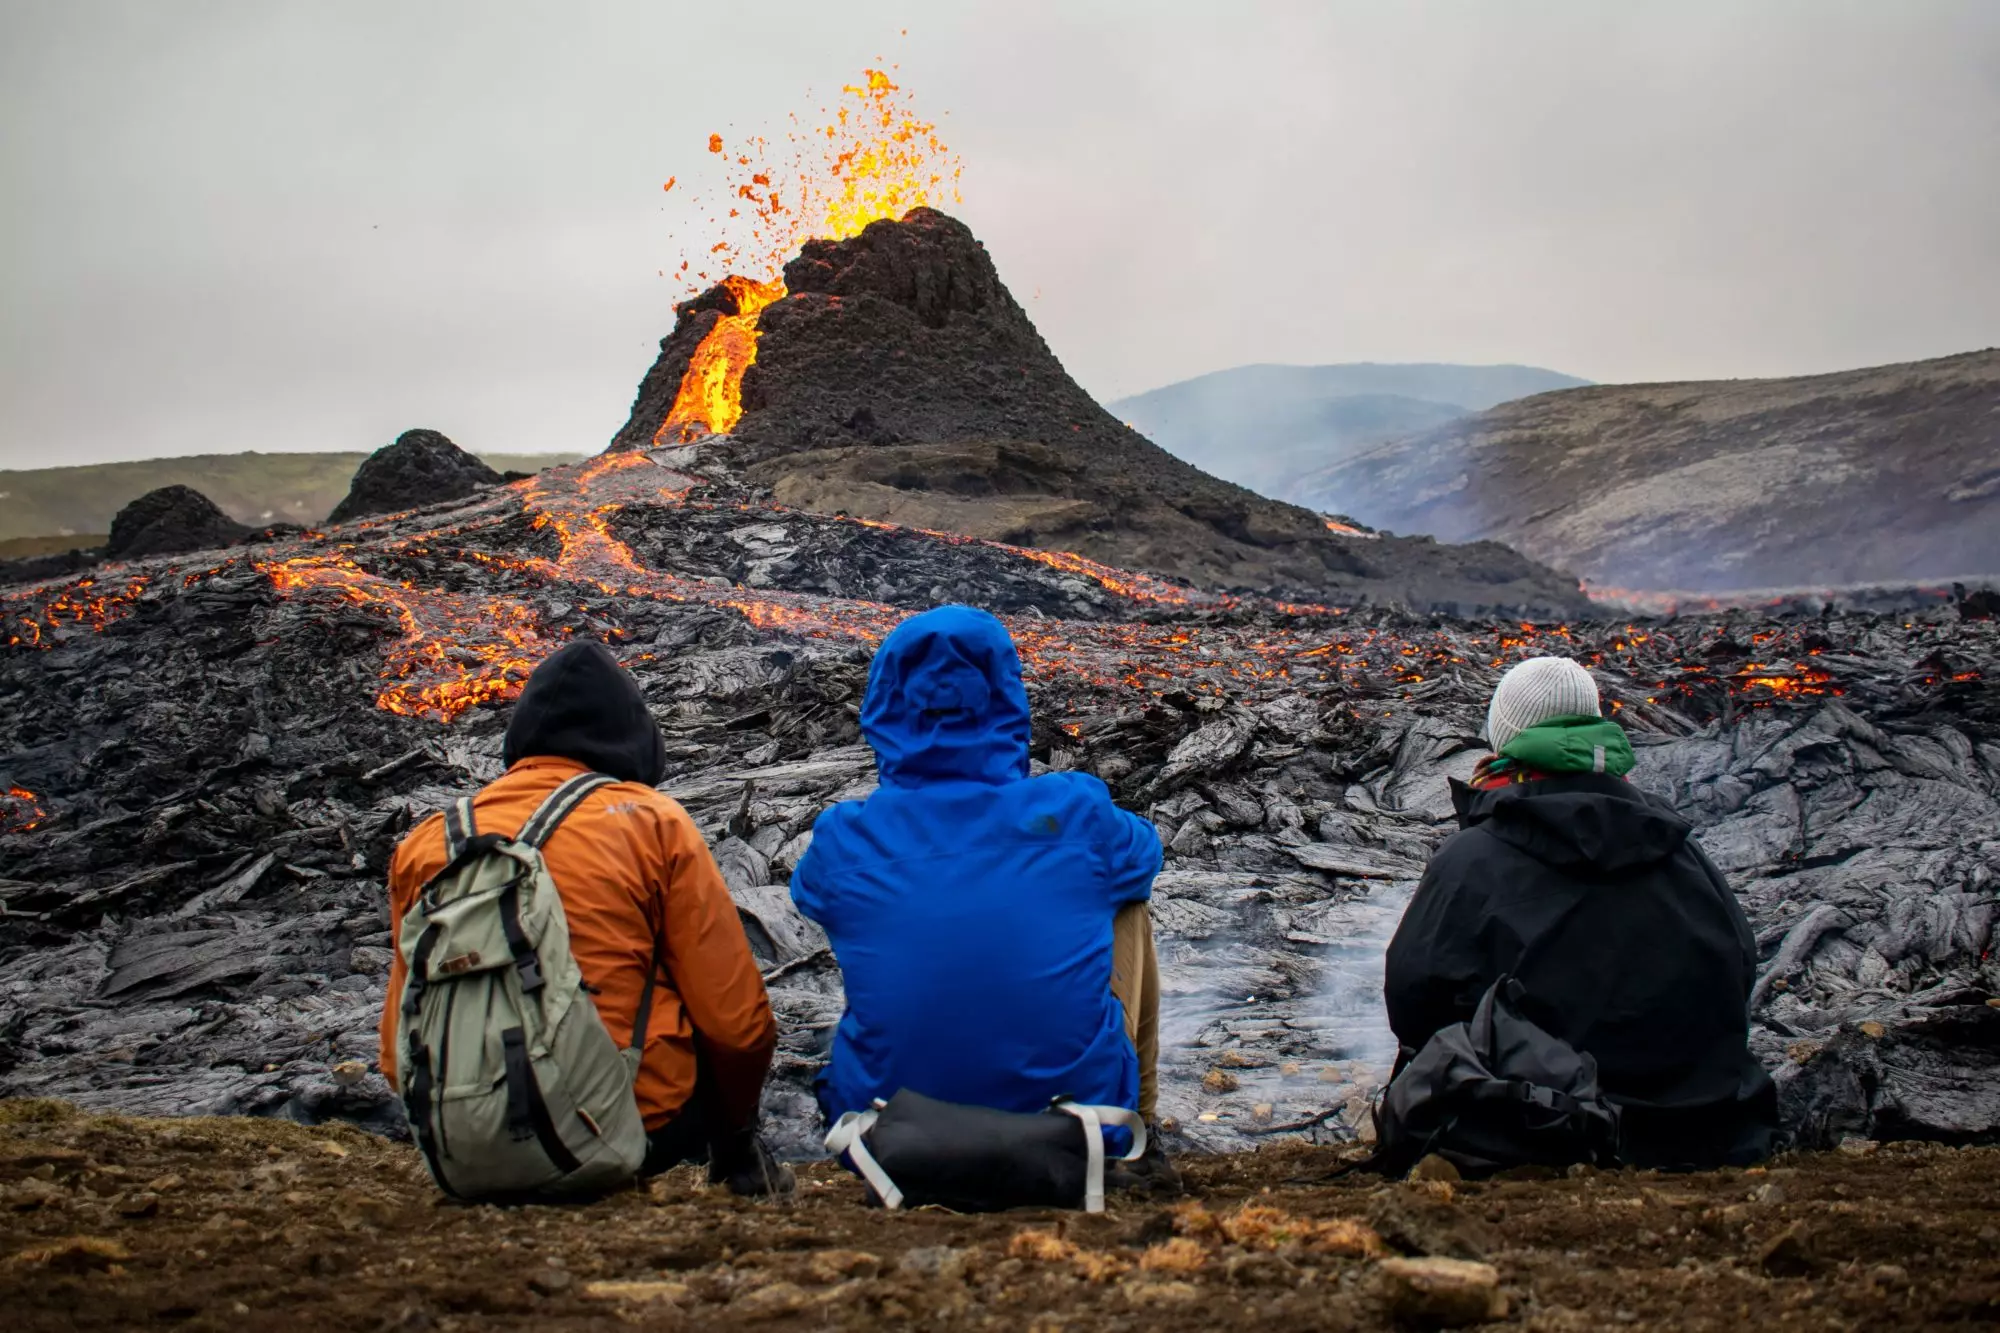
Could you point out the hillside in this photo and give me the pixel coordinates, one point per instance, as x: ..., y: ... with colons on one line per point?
x: 1267, y: 426
x: 253, y: 488
x: 896, y: 379
x: 1863, y: 476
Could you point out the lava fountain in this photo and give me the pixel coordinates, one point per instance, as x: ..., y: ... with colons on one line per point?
x: 874, y: 159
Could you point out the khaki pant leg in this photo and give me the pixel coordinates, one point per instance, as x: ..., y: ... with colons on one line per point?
x: 1135, y: 983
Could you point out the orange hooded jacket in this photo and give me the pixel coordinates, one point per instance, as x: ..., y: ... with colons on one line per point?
x: 632, y: 870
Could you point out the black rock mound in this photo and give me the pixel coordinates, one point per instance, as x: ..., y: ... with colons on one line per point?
x: 422, y: 467
x: 171, y: 521
x: 900, y: 380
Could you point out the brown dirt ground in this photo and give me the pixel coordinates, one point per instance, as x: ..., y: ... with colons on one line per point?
x: 118, y: 1222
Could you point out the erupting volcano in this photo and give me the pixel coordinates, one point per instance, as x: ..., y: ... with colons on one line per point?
x: 875, y: 159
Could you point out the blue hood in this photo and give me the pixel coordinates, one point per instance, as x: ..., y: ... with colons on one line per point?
x: 945, y: 701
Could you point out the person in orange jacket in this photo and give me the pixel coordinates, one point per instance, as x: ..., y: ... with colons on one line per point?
x: 637, y: 881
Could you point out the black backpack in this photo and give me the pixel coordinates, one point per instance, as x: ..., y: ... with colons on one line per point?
x: 915, y: 1150
x: 1497, y: 1091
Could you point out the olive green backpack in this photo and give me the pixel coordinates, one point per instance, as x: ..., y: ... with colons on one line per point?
x: 514, y: 1089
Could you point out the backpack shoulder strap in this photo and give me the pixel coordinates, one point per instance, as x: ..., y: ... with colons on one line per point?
x: 560, y: 803
x: 460, y: 827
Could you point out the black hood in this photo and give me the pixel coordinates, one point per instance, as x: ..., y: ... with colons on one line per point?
x: 580, y: 704
x: 1576, y: 821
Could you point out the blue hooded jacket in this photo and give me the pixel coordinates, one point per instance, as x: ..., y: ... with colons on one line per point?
x: 968, y: 904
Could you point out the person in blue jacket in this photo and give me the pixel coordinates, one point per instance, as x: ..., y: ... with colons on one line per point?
x: 991, y: 927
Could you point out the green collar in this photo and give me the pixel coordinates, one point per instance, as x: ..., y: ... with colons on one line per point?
x: 1581, y: 744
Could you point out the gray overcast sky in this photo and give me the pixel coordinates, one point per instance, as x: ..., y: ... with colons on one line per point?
x: 256, y: 224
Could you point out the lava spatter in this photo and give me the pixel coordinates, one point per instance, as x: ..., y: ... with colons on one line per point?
x: 874, y: 159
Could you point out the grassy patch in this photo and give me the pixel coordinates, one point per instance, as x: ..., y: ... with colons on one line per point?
x: 57, y: 504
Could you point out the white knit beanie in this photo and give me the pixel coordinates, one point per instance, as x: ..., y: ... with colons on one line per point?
x: 1533, y: 692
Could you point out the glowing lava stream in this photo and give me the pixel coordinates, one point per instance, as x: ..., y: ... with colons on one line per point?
x: 456, y: 650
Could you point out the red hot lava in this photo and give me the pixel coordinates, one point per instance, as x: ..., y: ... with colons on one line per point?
x: 19, y: 812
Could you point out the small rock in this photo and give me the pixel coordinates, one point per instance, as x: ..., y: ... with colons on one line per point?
x: 1259, y: 1269
x: 75, y: 1254
x: 1803, y: 1052
x: 1873, y: 1030
x: 550, y: 1282
x: 1441, y: 1293
x: 1859, y: 1147
x: 1434, y: 1167
x: 937, y: 1263
x: 1154, y: 1295
x: 638, y: 1293
x: 1217, y: 1080
x: 1888, y: 1277
x: 349, y: 1072
x: 838, y: 1265
x: 1263, y: 1112
x: 1769, y: 1193
x: 140, y: 1205
x: 768, y: 1302
x: 32, y: 1193
x: 1290, y: 1069
x: 1787, y: 1254
x: 364, y: 1212
x: 1420, y: 1225
x: 169, y: 1181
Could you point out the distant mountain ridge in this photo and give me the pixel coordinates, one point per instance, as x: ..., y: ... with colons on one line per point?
x: 1860, y: 476
x: 255, y: 489
x: 1267, y: 426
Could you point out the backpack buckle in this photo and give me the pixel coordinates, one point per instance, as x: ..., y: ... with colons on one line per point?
x: 529, y: 965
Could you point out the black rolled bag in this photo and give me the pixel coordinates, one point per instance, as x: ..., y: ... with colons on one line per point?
x: 1495, y: 1092
x: 914, y: 1150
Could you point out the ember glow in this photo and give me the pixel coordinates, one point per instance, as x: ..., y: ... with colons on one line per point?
x: 454, y: 641
x: 36, y: 622
x: 18, y: 811
x: 875, y: 158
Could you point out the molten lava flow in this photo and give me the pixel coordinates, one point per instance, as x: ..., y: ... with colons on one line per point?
x: 875, y: 159
x: 1124, y: 582
x: 711, y: 394
x: 18, y: 811
x: 456, y: 650
x: 83, y: 605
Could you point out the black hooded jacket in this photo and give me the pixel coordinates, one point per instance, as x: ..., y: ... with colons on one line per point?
x: 1630, y: 944
x: 581, y: 705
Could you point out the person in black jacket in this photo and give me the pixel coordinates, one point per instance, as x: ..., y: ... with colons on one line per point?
x: 1597, y: 898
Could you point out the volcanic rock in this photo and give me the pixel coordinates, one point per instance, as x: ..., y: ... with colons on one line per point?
x: 900, y: 381
x: 421, y: 468
x: 204, y: 768
x: 171, y: 521
x: 37, y: 568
